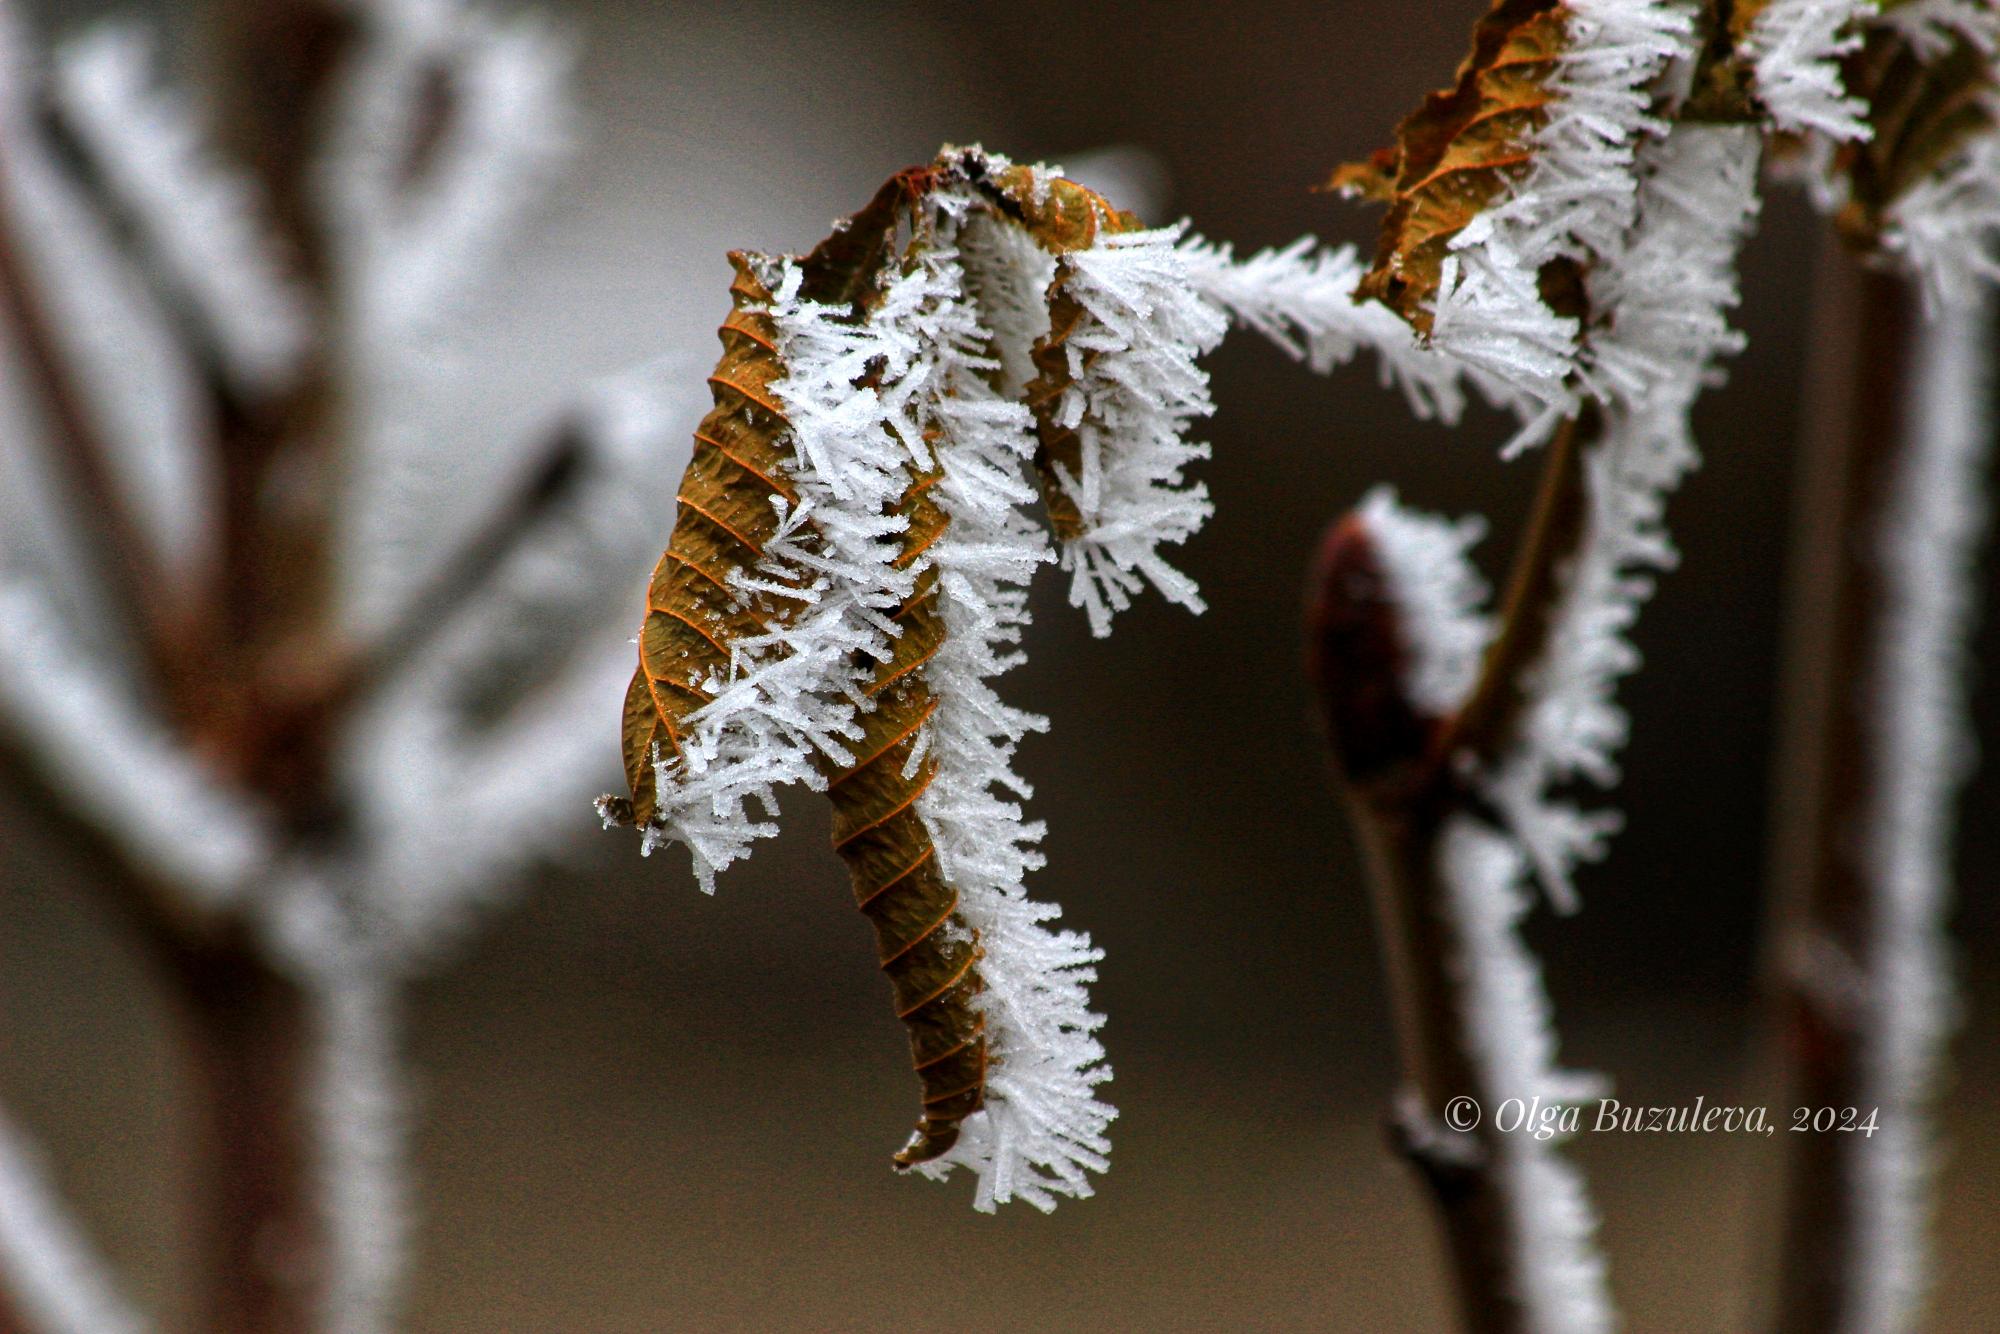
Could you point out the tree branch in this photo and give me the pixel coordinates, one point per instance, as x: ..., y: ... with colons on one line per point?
x: 549, y: 482
x: 1889, y: 509
x: 1403, y: 780
x: 258, y: 1228
x: 129, y: 570
x: 1856, y: 383
x: 1486, y: 722
x: 54, y: 1274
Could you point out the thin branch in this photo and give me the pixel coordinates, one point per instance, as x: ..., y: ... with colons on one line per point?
x: 131, y: 573
x: 274, y: 66
x: 551, y: 481
x: 1403, y: 782
x: 194, y: 334
x: 1819, y: 941
x: 257, y: 1225
x: 1871, y: 751
x: 194, y: 228
x: 61, y: 1284
x: 1486, y: 722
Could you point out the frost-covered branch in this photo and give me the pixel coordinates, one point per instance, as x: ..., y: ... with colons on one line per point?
x: 117, y: 766
x: 363, y: 1169
x: 1587, y: 272
x: 1396, y: 644
x: 1928, y: 545
x: 130, y: 576
x: 1876, y: 732
x: 1303, y: 298
x: 1667, y: 293
x: 214, y: 322
x: 55, y: 1281
x: 212, y: 245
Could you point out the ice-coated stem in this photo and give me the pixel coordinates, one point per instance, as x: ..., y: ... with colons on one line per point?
x: 55, y: 1282
x: 1873, y: 749
x: 1446, y: 914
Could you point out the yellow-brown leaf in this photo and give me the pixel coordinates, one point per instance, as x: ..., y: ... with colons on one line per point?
x: 741, y: 462
x: 1457, y: 152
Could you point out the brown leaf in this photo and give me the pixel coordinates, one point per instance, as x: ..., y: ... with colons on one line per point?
x: 741, y: 461
x: 724, y: 517
x: 1457, y: 152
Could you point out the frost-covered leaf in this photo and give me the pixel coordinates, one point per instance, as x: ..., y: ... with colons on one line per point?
x: 1457, y: 152
x: 1508, y: 187
x: 848, y: 573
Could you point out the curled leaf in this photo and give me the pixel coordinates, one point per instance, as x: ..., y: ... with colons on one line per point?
x: 806, y: 621
x: 1457, y: 152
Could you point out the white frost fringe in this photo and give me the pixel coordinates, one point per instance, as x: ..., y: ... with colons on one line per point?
x: 359, y: 1100
x: 1931, y: 26
x: 1302, y: 299
x: 1042, y: 1129
x: 1506, y: 1013
x: 1437, y: 592
x: 1130, y: 407
x: 1668, y: 294
x: 1929, y: 551
x: 1795, y: 47
x: 63, y: 1286
x: 1946, y: 228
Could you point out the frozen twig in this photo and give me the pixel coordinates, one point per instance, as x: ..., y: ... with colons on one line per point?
x: 1928, y: 546
x: 1877, y: 738
x: 98, y: 746
x: 129, y: 572
x: 200, y: 221
x: 56, y: 1282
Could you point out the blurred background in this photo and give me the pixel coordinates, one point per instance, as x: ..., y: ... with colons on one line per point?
x: 641, y: 1109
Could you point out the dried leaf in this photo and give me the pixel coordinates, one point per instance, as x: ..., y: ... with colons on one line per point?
x: 724, y: 518
x: 697, y: 610
x: 1457, y: 152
